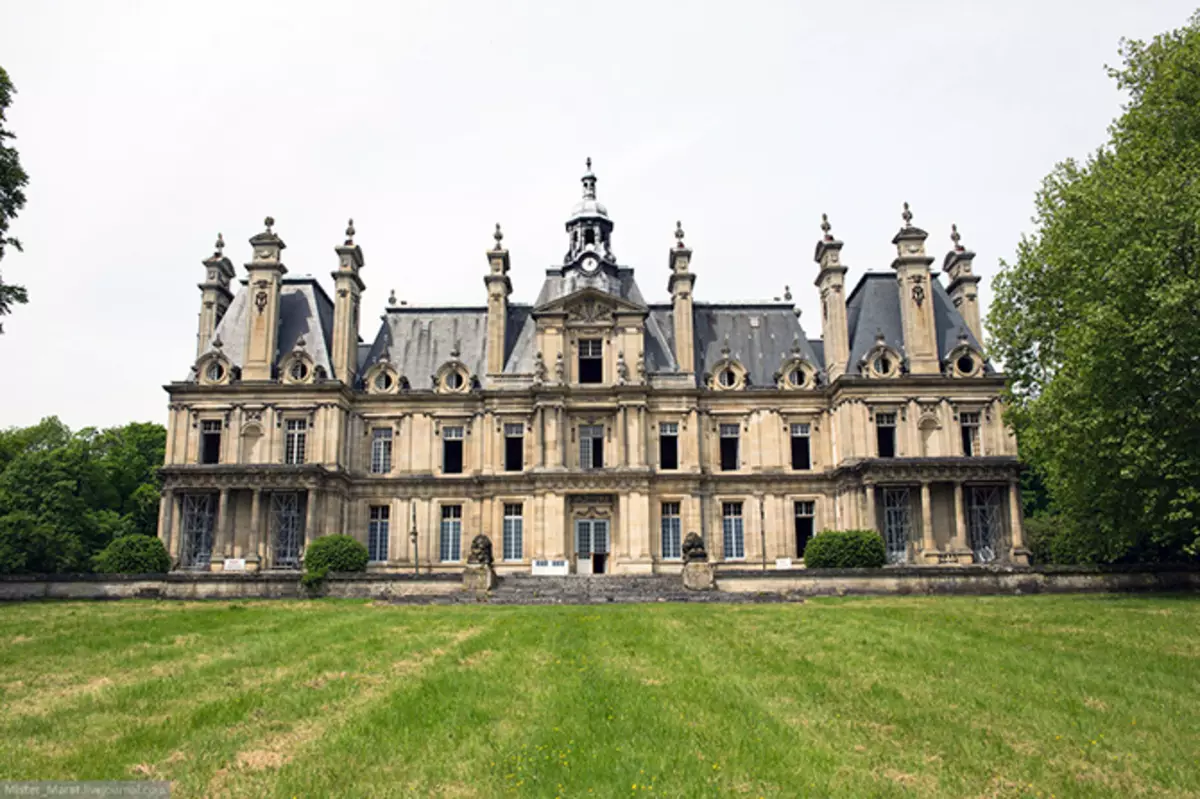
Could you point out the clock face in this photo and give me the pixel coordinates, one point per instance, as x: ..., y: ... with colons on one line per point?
x: 590, y: 263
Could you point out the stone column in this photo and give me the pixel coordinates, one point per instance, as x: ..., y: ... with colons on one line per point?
x: 1019, y: 554
x: 222, y: 544
x: 256, y: 525
x: 871, y: 522
x: 959, y: 545
x: 310, y: 516
x: 166, y: 519
x: 929, y: 545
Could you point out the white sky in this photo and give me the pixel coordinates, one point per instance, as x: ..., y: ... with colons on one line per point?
x: 148, y: 127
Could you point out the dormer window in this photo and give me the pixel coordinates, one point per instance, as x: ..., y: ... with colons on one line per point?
x: 454, y: 381
x: 452, y: 378
x: 883, y: 365
x: 964, y: 362
x: 298, y: 371
x: 727, y: 378
x: 591, y: 360
x: 383, y: 382
x: 215, y: 372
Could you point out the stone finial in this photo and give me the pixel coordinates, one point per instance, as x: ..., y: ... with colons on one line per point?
x: 217, y: 343
x: 220, y: 247
x: 725, y: 347
x: 880, y: 339
x: 392, y: 297
x: 299, y: 343
x: 589, y: 164
x: 454, y: 353
x: 787, y: 293
x: 350, y: 233
x: 498, y: 235
x: 589, y: 182
x: 679, y: 235
x: 795, y: 344
x: 962, y: 336
x: 907, y: 216
x: 956, y: 238
x: 826, y: 227
x: 269, y: 222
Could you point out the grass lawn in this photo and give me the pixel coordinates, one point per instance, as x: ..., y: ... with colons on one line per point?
x: 955, y: 697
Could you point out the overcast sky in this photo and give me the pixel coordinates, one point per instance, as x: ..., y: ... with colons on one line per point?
x: 146, y: 128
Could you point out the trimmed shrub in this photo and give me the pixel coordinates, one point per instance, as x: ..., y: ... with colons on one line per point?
x: 335, y: 553
x: 845, y: 549
x: 133, y: 554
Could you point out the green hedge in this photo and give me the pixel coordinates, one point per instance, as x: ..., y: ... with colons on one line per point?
x: 845, y: 549
x: 133, y: 554
x: 335, y: 553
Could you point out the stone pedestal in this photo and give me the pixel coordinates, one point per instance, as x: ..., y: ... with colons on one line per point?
x: 698, y: 576
x: 1019, y: 556
x: 479, y: 577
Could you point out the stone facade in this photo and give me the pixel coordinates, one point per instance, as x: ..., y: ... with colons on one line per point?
x: 589, y: 431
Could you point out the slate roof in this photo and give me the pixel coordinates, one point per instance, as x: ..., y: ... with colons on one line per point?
x: 419, y: 341
x: 305, y: 310
x: 761, y: 336
x: 564, y: 281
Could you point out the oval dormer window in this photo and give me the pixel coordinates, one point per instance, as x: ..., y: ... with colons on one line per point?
x: 966, y: 364
x: 215, y: 372
x: 796, y: 377
x: 299, y: 370
x: 727, y: 378
x: 383, y: 381
x: 454, y: 381
x: 883, y: 365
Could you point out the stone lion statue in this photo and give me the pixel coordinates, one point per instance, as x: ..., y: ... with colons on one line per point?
x: 481, y: 550
x: 693, y: 549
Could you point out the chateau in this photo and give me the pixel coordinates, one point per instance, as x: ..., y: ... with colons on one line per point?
x: 591, y: 430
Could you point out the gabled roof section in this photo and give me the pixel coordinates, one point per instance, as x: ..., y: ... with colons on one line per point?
x: 589, y: 293
x: 418, y: 341
x: 761, y: 337
x: 305, y: 312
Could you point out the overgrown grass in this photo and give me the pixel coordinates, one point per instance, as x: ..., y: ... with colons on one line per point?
x: 964, y: 697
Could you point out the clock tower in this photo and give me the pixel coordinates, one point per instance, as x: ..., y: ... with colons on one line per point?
x: 589, y: 231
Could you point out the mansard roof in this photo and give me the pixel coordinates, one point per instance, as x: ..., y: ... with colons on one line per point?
x: 418, y: 341
x: 305, y: 312
x: 760, y: 336
x: 873, y: 309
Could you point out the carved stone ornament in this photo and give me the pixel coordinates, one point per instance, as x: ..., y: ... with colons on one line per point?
x: 622, y: 369
x: 560, y: 368
x: 590, y: 311
x: 481, y: 550
x: 918, y: 295
x: 539, y: 369
x: 693, y: 549
x: 260, y: 301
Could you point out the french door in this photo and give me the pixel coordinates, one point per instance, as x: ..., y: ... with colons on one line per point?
x: 591, y: 546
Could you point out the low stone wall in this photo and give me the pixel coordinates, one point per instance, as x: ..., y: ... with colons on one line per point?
x: 965, y: 580
x: 968, y: 580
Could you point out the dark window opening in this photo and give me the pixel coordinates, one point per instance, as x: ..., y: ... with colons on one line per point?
x: 970, y: 434
x: 668, y: 445
x: 801, y: 451
x: 514, y: 447
x: 591, y: 446
x: 591, y: 364
x: 804, y: 514
x: 729, y: 447
x: 589, y: 236
x: 966, y: 364
x: 452, y: 450
x: 885, y: 434
x: 210, y: 442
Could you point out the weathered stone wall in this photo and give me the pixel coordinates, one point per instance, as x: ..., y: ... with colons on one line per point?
x: 220, y: 586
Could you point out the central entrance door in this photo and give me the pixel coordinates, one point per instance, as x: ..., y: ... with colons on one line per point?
x: 591, y: 546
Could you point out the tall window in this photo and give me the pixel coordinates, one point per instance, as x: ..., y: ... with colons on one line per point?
x: 210, y: 441
x: 514, y: 533
x: 668, y: 445
x: 971, y: 442
x: 591, y: 362
x: 514, y: 447
x: 294, y: 442
x: 591, y: 446
x: 804, y: 512
x: 885, y: 434
x: 450, y: 549
x: 729, y: 447
x: 381, y: 450
x: 671, y: 530
x: 452, y: 449
x: 801, y: 448
x: 377, y: 533
x: 735, y: 532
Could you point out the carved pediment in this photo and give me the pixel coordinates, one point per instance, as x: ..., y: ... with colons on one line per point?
x: 590, y: 306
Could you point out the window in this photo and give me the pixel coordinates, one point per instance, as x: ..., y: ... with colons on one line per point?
x: 381, y: 450
x: 215, y: 372
x: 591, y: 446
x: 377, y: 533
x: 671, y: 535
x: 296, y: 437
x: 971, y: 442
x: 591, y: 363
x: 383, y: 381
x: 668, y: 445
x: 727, y: 378
x: 804, y: 512
x: 801, y: 447
x: 729, y: 447
x: 965, y: 364
x: 450, y: 548
x: 735, y: 533
x: 796, y: 377
x: 452, y: 449
x: 513, y: 545
x: 514, y: 447
x: 885, y: 434
x: 298, y: 370
x: 455, y: 381
x: 897, y: 523
x: 210, y: 441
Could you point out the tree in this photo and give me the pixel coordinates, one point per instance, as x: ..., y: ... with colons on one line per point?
x: 1096, y: 321
x: 12, y: 198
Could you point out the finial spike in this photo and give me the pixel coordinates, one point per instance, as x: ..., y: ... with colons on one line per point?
x: 392, y: 297
x: 589, y: 163
x: 269, y: 222
x: 956, y: 238
x: 679, y: 234
x: 826, y: 227
x: 787, y: 293
x: 349, y: 232
x: 907, y: 216
x: 220, y: 246
x: 498, y: 236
